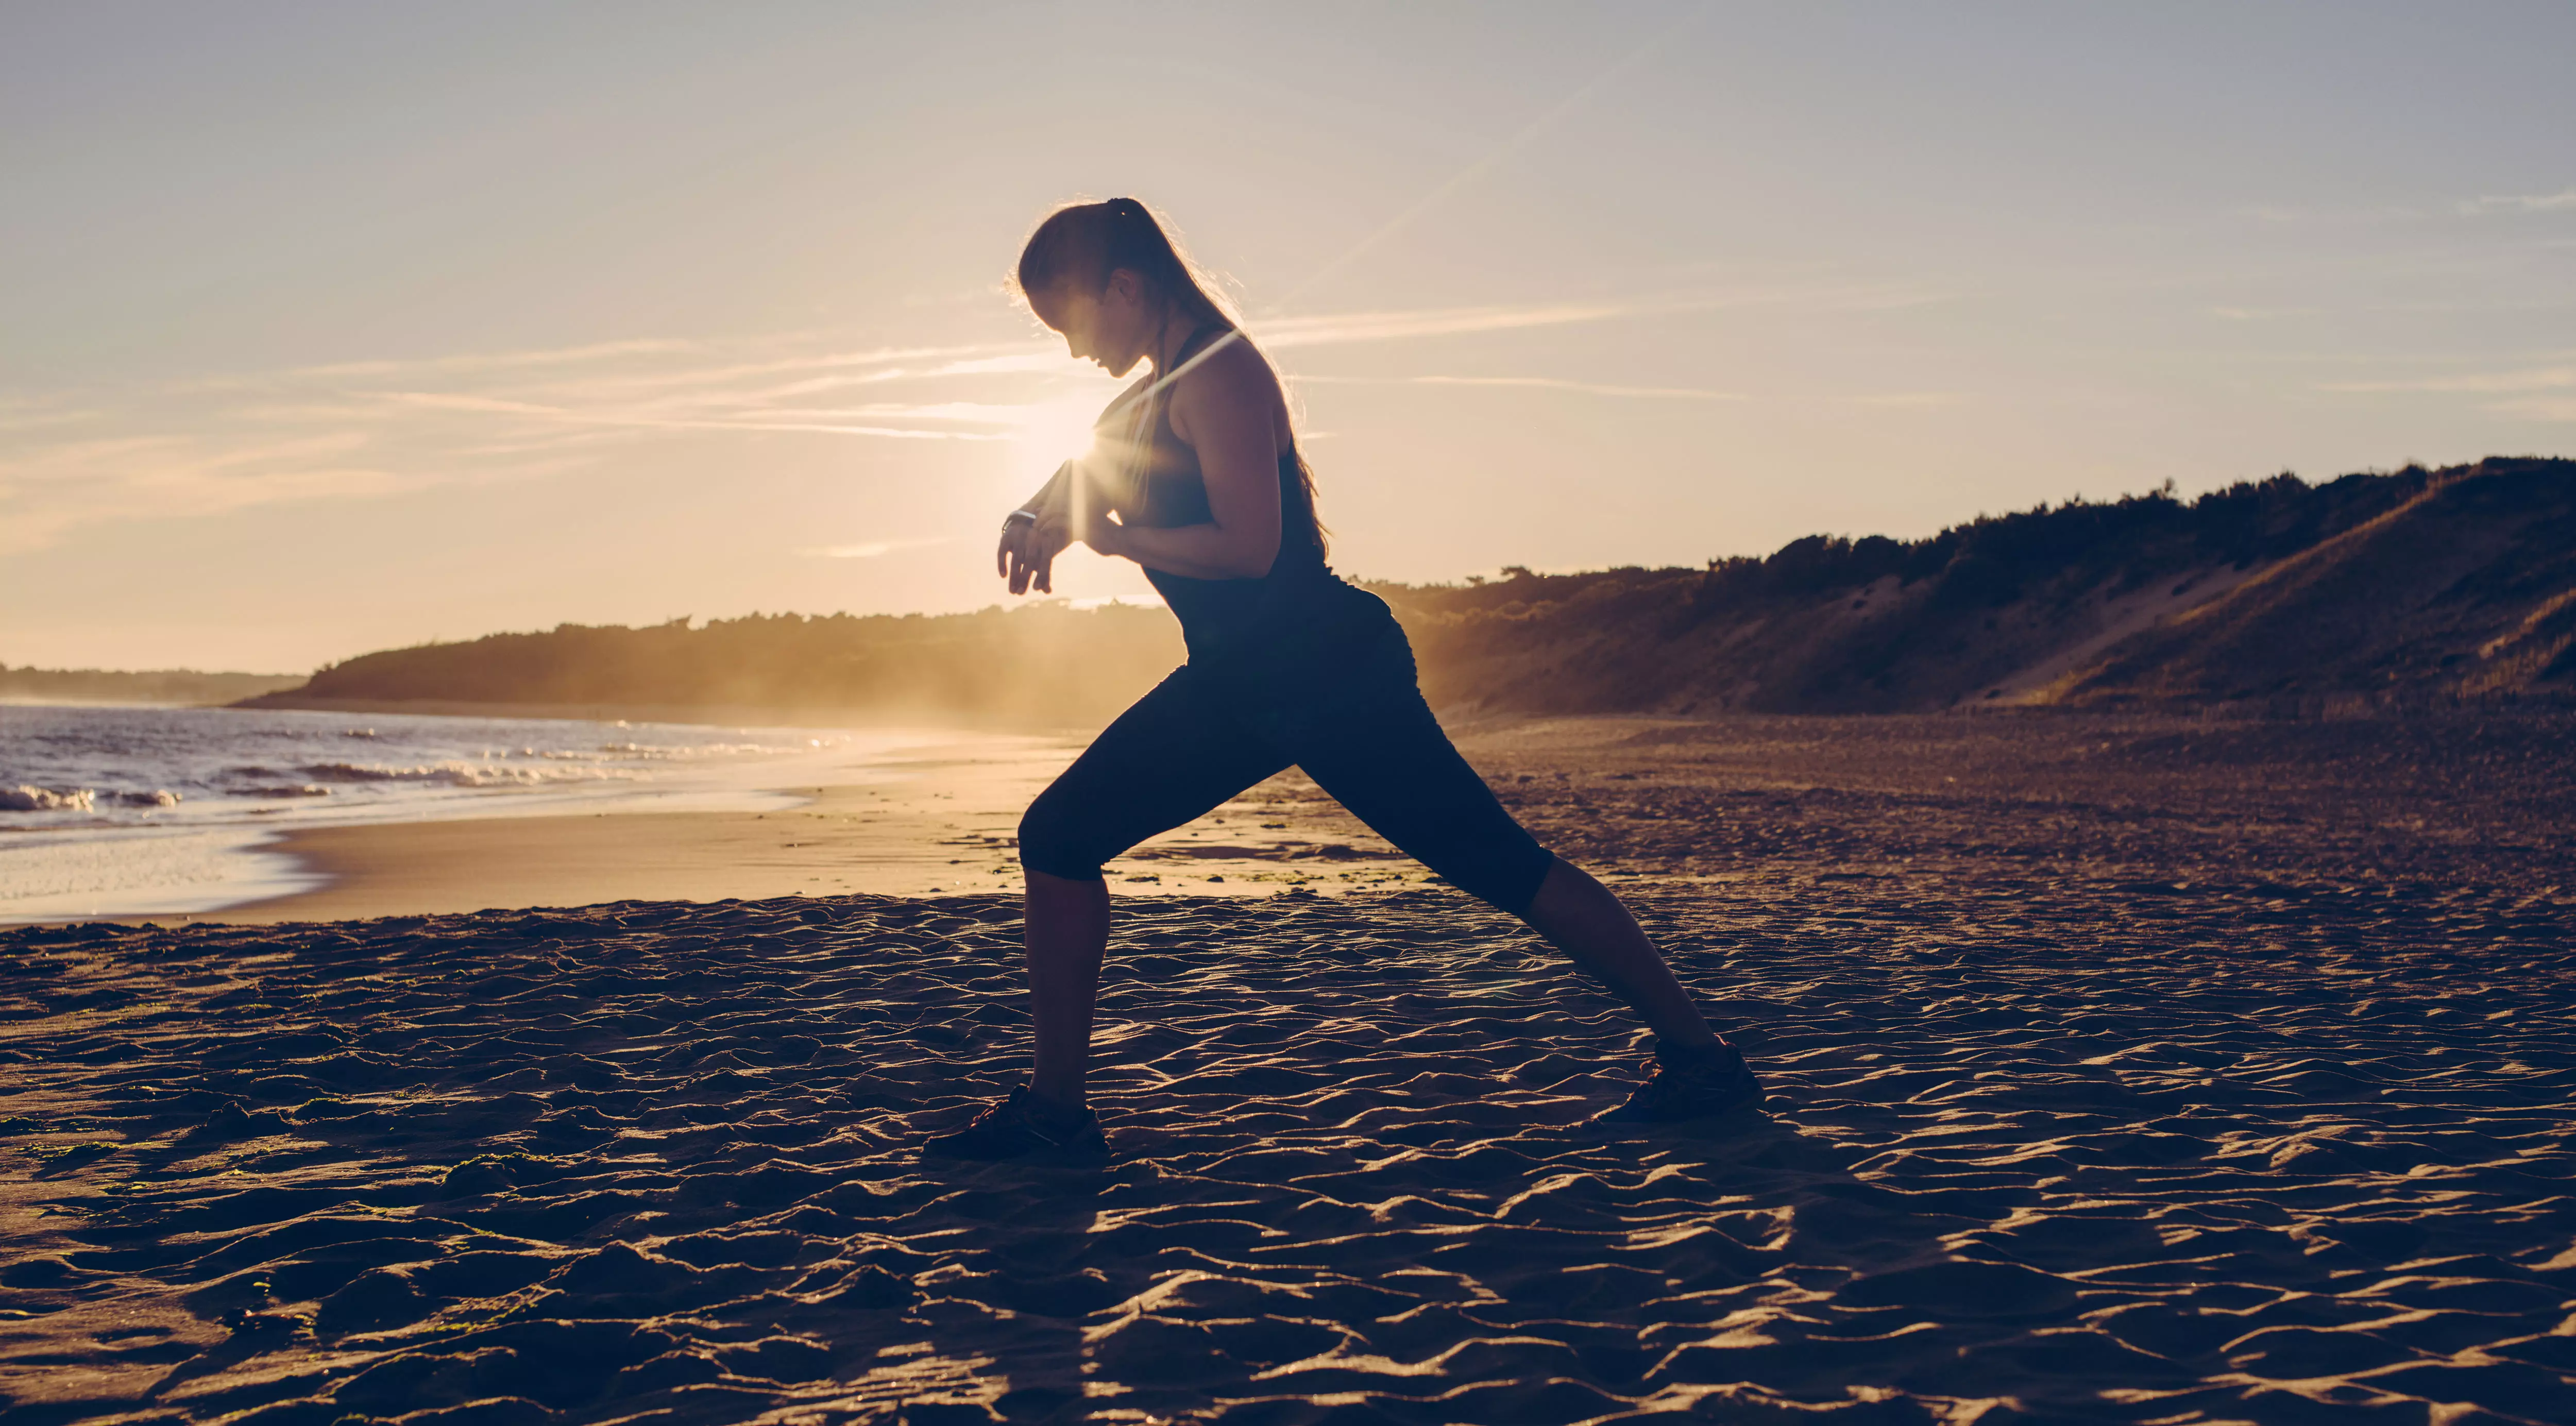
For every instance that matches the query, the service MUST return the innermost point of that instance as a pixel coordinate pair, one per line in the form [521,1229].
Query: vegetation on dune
[2390,588]
[2403,589]
[157,686]
[1043,662]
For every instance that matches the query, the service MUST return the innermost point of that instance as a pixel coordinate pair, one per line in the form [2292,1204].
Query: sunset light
[1045,434]
[1841,712]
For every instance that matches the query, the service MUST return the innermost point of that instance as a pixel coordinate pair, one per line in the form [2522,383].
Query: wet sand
[2122,1071]
[943,820]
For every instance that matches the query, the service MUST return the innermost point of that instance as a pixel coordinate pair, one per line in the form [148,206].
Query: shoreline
[687,715]
[937,826]
[1634,797]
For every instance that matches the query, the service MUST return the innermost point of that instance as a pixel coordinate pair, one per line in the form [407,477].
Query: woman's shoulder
[1228,368]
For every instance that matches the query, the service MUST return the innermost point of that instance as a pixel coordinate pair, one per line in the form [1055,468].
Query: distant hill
[159,686]
[2415,589]
[1043,663]
[2412,589]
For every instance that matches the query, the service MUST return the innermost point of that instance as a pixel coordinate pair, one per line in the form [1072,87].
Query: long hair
[1083,243]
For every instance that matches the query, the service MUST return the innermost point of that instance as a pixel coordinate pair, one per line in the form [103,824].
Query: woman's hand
[1026,554]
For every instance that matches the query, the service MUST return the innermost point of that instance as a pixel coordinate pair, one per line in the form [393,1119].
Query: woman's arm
[1227,410]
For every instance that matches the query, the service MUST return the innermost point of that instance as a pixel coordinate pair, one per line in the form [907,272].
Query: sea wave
[462,774]
[699,750]
[158,797]
[24,798]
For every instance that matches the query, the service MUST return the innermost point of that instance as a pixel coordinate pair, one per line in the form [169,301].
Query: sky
[330,328]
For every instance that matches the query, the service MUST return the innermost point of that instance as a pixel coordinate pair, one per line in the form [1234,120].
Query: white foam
[23,798]
[180,809]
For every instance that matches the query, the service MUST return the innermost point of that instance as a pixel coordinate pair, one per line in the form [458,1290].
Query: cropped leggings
[1362,732]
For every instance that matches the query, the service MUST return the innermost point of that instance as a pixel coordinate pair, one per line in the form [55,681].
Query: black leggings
[1366,737]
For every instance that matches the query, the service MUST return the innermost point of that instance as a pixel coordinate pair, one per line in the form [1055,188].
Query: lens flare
[1049,433]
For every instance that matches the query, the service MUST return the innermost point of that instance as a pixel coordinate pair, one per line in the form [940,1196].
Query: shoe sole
[1094,1153]
[1753,1103]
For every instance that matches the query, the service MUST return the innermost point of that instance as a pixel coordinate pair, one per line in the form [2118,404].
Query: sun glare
[1049,433]
[1052,432]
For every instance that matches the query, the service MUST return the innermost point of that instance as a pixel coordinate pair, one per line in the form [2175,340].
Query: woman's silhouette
[1195,476]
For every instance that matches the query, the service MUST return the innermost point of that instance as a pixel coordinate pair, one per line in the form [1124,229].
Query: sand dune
[2193,1087]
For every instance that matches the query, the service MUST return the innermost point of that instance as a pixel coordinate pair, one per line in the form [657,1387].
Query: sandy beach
[934,819]
[2123,1071]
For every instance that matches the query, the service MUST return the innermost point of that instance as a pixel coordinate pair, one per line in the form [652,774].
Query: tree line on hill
[2414,588]
[179,686]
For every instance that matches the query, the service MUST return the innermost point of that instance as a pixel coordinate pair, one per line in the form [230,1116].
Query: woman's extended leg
[1388,760]
[1582,918]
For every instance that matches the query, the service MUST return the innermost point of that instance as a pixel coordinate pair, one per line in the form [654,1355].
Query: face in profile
[1110,327]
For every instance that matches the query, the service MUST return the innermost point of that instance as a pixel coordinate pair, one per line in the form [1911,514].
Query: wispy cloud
[2538,408]
[31,413]
[2260,314]
[1348,327]
[870,549]
[1544,383]
[48,494]
[2543,378]
[359,429]
[2561,201]
[2536,393]
[498,361]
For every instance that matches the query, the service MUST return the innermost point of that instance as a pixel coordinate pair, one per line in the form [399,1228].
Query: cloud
[2547,378]
[646,420]
[39,413]
[1547,383]
[1350,327]
[367,428]
[870,549]
[489,361]
[2538,408]
[2539,393]
[2562,201]
[2260,314]
[47,494]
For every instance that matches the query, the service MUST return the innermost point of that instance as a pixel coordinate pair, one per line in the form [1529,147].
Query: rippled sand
[2083,1110]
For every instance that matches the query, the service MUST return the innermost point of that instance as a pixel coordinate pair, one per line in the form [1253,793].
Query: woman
[1196,477]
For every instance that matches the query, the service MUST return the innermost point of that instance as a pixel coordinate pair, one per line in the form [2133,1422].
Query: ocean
[139,811]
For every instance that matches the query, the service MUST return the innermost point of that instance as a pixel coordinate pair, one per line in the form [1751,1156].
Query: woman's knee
[1052,840]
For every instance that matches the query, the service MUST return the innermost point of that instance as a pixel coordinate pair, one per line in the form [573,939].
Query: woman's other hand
[1093,526]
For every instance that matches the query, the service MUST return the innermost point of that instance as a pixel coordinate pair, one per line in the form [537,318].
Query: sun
[1049,433]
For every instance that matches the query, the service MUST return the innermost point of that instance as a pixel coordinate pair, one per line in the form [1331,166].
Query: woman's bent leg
[1176,754]
[1067,931]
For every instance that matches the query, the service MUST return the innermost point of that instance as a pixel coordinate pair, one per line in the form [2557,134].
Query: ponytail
[1083,243]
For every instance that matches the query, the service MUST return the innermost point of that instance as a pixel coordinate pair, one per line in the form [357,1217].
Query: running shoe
[1021,1125]
[1689,1084]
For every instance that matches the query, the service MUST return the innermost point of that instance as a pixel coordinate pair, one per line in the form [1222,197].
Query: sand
[2122,1072]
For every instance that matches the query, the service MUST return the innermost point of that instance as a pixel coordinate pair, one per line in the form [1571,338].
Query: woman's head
[1110,278]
